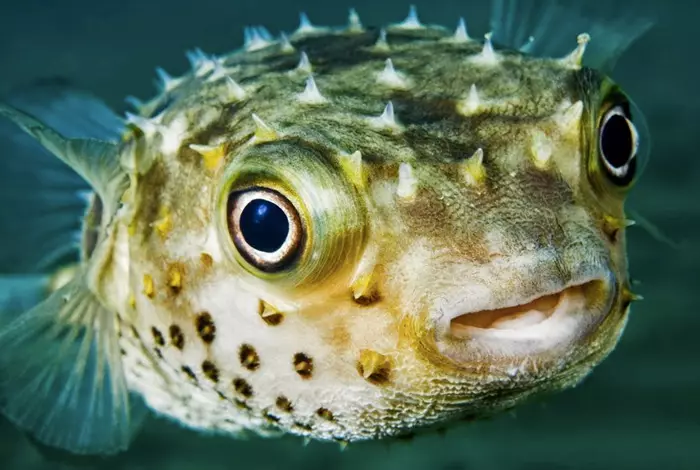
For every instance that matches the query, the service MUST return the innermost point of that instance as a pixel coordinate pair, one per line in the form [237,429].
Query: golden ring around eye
[265,228]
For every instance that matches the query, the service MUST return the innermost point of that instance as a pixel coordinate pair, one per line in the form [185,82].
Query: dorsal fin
[554,25]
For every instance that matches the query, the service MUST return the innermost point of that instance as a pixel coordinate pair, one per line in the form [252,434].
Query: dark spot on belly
[284,404]
[249,357]
[158,353]
[188,372]
[206,327]
[242,387]
[272,418]
[326,414]
[210,370]
[157,336]
[176,337]
[303,365]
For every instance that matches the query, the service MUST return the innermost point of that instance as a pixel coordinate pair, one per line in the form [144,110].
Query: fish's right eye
[265,228]
[618,145]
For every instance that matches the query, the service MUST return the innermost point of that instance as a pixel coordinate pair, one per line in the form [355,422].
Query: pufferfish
[344,234]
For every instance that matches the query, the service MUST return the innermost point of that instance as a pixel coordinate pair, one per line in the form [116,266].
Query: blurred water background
[639,410]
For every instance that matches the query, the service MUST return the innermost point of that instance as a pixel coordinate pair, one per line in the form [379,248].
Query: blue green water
[639,410]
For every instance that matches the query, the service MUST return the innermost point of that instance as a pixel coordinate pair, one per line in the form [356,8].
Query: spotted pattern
[283,403]
[206,327]
[303,365]
[157,336]
[249,357]
[177,338]
[242,387]
[326,414]
[210,370]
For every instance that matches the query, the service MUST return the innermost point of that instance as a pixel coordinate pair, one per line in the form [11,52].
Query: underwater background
[639,410]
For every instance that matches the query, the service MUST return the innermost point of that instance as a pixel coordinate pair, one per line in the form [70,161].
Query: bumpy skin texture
[353,340]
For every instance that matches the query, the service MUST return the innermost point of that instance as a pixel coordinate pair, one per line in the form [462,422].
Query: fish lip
[590,317]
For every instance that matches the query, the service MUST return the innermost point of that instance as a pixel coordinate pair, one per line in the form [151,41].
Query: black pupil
[264,225]
[616,141]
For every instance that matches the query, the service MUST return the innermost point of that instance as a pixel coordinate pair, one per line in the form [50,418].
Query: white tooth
[519,320]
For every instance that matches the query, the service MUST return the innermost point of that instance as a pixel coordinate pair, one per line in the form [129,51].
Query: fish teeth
[390,77]
[575,58]
[311,93]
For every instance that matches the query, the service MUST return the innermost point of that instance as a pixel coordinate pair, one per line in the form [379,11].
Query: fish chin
[552,324]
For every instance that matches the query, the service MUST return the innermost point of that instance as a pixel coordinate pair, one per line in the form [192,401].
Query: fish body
[344,234]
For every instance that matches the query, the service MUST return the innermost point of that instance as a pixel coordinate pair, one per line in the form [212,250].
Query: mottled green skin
[520,232]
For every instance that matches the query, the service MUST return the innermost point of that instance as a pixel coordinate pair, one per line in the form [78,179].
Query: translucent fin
[42,198]
[655,231]
[61,377]
[21,293]
[555,24]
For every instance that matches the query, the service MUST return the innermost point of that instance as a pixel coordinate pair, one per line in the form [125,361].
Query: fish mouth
[549,321]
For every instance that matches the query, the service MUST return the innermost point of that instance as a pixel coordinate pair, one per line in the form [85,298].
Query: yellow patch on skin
[373,366]
[263,132]
[132,301]
[473,168]
[206,260]
[148,287]
[364,288]
[175,277]
[164,224]
[270,314]
[211,155]
[352,167]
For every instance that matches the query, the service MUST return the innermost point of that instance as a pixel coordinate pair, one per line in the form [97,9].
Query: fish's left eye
[265,227]
[618,145]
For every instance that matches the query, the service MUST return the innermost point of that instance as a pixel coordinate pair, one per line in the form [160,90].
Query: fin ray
[556,25]
[43,198]
[61,377]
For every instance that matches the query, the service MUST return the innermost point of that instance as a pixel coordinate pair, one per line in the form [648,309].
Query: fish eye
[618,145]
[265,227]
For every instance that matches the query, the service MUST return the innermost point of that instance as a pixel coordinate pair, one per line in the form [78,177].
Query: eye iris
[264,225]
[616,141]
